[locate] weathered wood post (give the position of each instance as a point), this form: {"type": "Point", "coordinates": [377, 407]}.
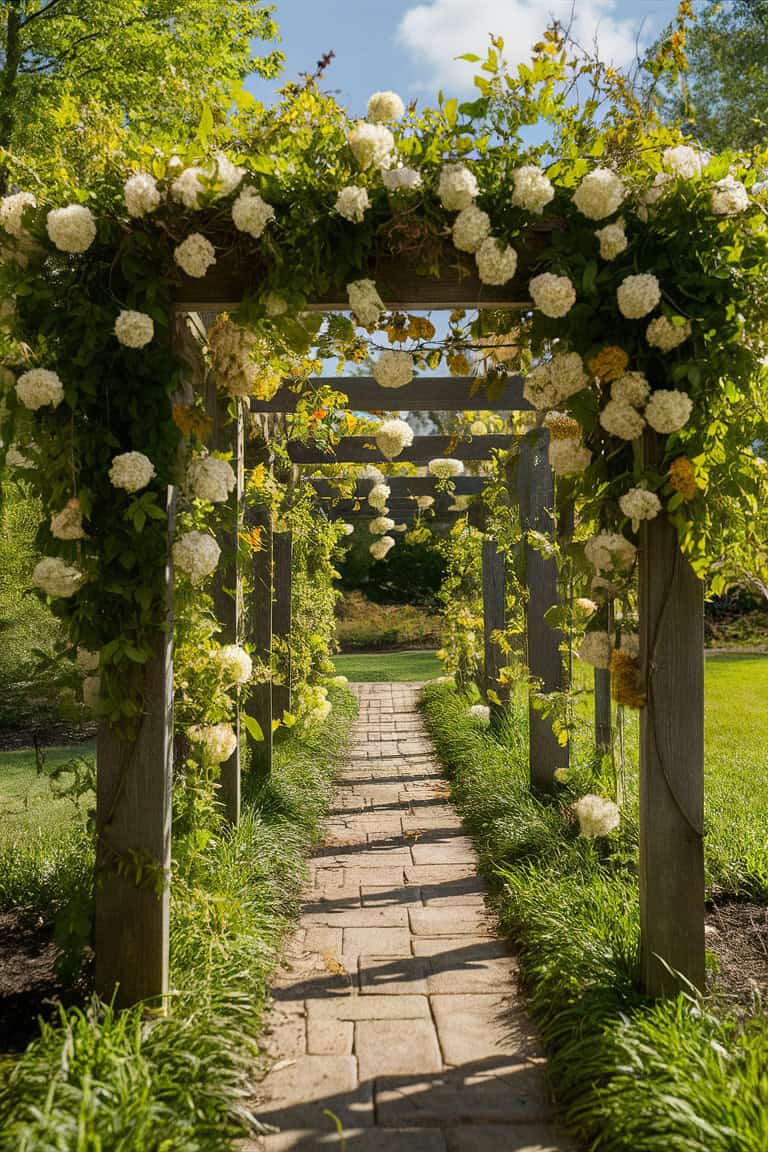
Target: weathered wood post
{"type": "Point", "coordinates": [227, 583]}
{"type": "Point", "coordinates": [134, 782]}
{"type": "Point", "coordinates": [602, 689]}
{"type": "Point", "coordinates": [545, 663]}
{"type": "Point", "coordinates": [494, 620]}
{"type": "Point", "coordinates": [259, 703]}
{"type": "Point", "coordinates": [281, 616]}
{"type": "Point", "coordinates": [671, 763]}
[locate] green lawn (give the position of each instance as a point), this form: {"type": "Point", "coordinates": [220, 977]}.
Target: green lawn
{"type": "Point", "coordinates": [400, 666]}
{"type": "Point", "coordinates": [27, 800]}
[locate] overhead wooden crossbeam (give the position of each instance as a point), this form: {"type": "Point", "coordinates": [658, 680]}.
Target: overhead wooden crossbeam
{"type": "Point", "coordinates": [403, 503]}
{"type": "Point", "coordinates": [238, 274]}
{"type": "Point", "coordinates": [363, 450]}
{"type": "Point", "coordinates": [405, 486]}
{"type": "Point", "coordinates": [423, 394]}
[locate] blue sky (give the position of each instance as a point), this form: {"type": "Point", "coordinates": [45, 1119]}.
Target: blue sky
{"type": "Point", "coordinates": [410, 45]}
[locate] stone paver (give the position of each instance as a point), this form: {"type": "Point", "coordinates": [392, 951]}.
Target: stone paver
{"type": "Point", "coordinates": [397, 1008]}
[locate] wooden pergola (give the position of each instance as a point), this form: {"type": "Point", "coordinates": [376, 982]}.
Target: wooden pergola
{"type": "Point", "coordinates": [135, 778]}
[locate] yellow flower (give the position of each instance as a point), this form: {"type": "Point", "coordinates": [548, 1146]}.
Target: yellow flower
{"type": "Point", "coordinates": [682, 477]}
{"type": "Point", "coordinates": [609, 363]}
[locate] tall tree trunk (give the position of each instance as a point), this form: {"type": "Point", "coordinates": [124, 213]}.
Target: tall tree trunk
{"type": "Point", "coordinates": [8, 80]}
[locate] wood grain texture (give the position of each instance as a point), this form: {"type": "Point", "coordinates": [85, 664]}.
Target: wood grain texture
{"type": "Point", "coordinates": [258, 617]}
{"type": "Point", "coordinates": [423, 394]}
{"type": "Point", "coordinates": [603, 721]}
{"type": "Point", "coordinates": [402, 486]}
{"type": "Point", "coordinates": [494, 620]}
{"type": "Point", "coordinates": [671, 763]}
{"type": "Point", "coordinates": [134, 781]}
{"type": "Point", "coordinates": [537, 498]}
{"type": "Point", "coordinates": [282, 550]}
{"type": "Point", "coordinates": [363, 450]}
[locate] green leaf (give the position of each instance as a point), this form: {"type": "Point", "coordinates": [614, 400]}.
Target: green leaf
{"type": "Point", "coordinates": [450, 110]}
{"type": "Point", "coordinates": [470, 57]}
{"type": "Point", "coordinates": [252, 727]}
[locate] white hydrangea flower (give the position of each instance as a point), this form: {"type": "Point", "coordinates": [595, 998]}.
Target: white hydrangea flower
{"type": "Point", "coordinates": [638, 295]}
{"type": "Point", "coordinates": [251, 213]}
{"type": "Point", "coordinates": [379, 495]}
{"type": "Point", "coordinates": [610, 550]}
{"type": "Point", "coordinates": [662, 184]}
{"type": "Point", "coordinates": [664, 334]}
{"type": "Point", "coordinates": [220, 177]}
{"type": "Point", "coordinates": [71, 229]}
{"type": "Point", "coordinates": [401, 179]}
{"type": "Point", "coordinates": [685, 162]}
{"type": "Point", "coordinates": [68, 524]}
{"type": "Point", "coordinates": [380, 525]}
{"type": "Point", "coordinates": [134, 329]}
{"type": "Point", "coordinates": [622, 420]}
{"type": "Point", "coordinates": [538, 388]}
{"type": "Point", "coordinates": [481, 713]}
{"type": "Point", "coordinates": [612, 239]}
{"type": "Point", "coordinates": [533, 190]}
{"type": "Point", "coordinates": [275, 305]}
{"type": "Point", "coordinates": [217, 740]}
{"type": "Point", "coordinates": [12, 210]}
{"type": "Point", "coordinates": [668, 410]}
{"type": "Point", "coordinates": [393, 369]}
{"type": "Point", "coordinates": [195, 255]}
{"type": "Point", "coordinates": [495, 264]}
{"type": "Point", "coordinates": [478, 428]}
{"type": "Point", "coordinates": [599, 195]}
{"type": "Point", "coordinates": [39, 387]}
{"type": "Point", "coordinates": [470, 228]}
{"type": "Point", "coordinates": [86, 660]}
{"type": "Point", "coordinates": [567, 373]}
{"type": "Point", "coordinates": [370, 472]}
{"type": "Point", "coordinates": [553, 295]}
{"type": "Point", "coordinates": [460, 504]}
{"type": "Point", "coordinates": [352, 203]}
{"type": "Point", "coordinates": [632, 388]}
{"type": "Point", "coordinates": [597, 816]}
{"type": "Point", "coordinates": [340, 680]}
{"type": "Point", "coordinates": [445, 468]}
{"type": "Point", "coordinates": [348, 528]}
{"type": "Point", "coordinates": [384, 107]}
{"type": "Point", "coordinates": [424, 502]}
{"type": "Point", "coordinates": [16, 459]}
{"type": "Point", "coordinates": [225, 174]}
{"type": "Point", "coordinates": [640, 504]}
{"type": "Point", "coordinates": [365, 302]}
{"type": "Point", "coordinates": [596, 648]}
{"type": "Point", "coordinates": [131, 471]}
{"type": "Point", "coordinates": [373, 145]}
{"type": "Point", "coordinates": [196, 554]}
{"type": "Point", "coordinates": [729, 197]}
{"type": "Point", "coordinates": [457, 187]}
{"type": "Point", "coordinates": [568, 457]}
{"type": "Point", "coordinates": [211, 479]}
{"type": "Point", "coordinates": [142, 196]}
{"type": "Point", "coordinates": [392, 437]}
{"type": "Point", "coordinates": [235, 663]}
{"type": "Point", "coordinates": [57, 578]}
{"type": "Point", "coordinates": [380, 547]}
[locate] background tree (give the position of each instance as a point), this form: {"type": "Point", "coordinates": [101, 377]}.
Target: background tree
{"type": "Point", "coordinates": [723, 97]}
{"type": "Point", "coordinates": [78, 72]}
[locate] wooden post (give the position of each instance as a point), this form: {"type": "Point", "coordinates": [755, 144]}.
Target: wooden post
{"type": "Point", "coordinates": [282, 551]}
{"type": "Point", "coordinates": [494, 620]}
{"type": "Point", "coordinates": [602, 685]}
{"type": "Point", "coordinates": [671, 764]}
{"type": "Point", "coordinates": [259, 703]}
{"type": "Point", "coordinates": [545, 662]}
{"type": "Point", "coordinates": [133, 834]}
{"type": "Point", "coordinates": [227, 582]}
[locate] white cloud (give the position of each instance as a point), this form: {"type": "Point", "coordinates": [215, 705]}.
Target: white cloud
{"type": "Point", "coordinates": [434, 33]}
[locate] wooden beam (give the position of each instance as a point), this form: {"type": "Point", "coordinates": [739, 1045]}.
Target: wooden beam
{"type": "Point", "coordinates": [258, 517]}
{"type": "Point", "coordinates": [423, 394]}
{"type": "Point", "coordinates": [545, 662]}
{"type": "Point", "coordinates": [240, 273]}
{"type": "Point", "coordinates": [134, 781]}
{"type": "Point", "coordinates": [227, 583]}
{"type": "Point", "coordinates": [363, 450]}
{"type": "Point", "coordinates": [671, 762]}
{"type": "Point", "coordinates": [401, 486]}
{"type": "Point", "coordinates": [494, 620]}
{"type": "Point", "coordinates": [281, 616]}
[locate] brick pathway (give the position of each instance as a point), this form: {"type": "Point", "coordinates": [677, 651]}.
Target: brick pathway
{"type": "Point", "coordinates": [397, 1008]}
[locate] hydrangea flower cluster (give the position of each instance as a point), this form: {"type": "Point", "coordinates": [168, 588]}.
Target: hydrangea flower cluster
{"type": "Point", "coordinates": [638, 295]}
{"type": "Point", "coordinates": [383, 107]}
{"type": "Point", "coordinates": [373, 145]}
{"type": "Point", "coordinates": [131, 471]}
{"type": "Point", "coordinates": [393, 369]}
{"type": "Point", "coordinates": [211, 479]}
{"type": "Point", "coordinates": [597, 816]}
{"type": "Point", "coordinates": [547, 385]}
{"type": "Point", "coordinates": [365, 302]}
{"type": "Point", "coordinates": [12, 209]}
{"type": "Point", "coordinates": [196, 555]}
{"type": "Point", "coordinates": [251, 213]}
{"type": "Point", "coordinates": [445, 468]}
{"type": "Point", "coordinates": [57, 578]}
{"type": "Point", "coordinates": [640, 504]}
{"type": "Point", "coordinates": [352, 203]}
{"type": "Point", "coordinates": [553, 295]}
{"type": "Point", "coordinates": [393, 436]}
{"type": "Point", "coordinates": [401, 179]}
{"type": "Point", "coordinates": [379, 495]}
{"type": "Point", "coordinates": [235, 663]}
{"type": "Point", "coordinates": [218, 741]}
{"type": "Point", "coordinates": [134, 329]}
{"type": "Point", "coordinates": [68, 524]}
{"type": "Point", "coordinates": [533, 189]}
{"type": "Point", "coordinates": [610, 550]}
{"type": "Point", "coordinates": [496, 263]}
{"type": "Point", "coordinates": [71, 229]}
{"type": "Point", "coordinates": [470, 228]}
{"type": "Point", "coordinates": [238, 361]}
{"type": "Point", "coordinates": [663, 333]}
{"type": "Point", "coordinates": [600, 194]}
{"type": "Point", "coordinates": [142, 195]}
{"type": "Point", "coordinates": [381, 547]}
{"type": "Point", "coordinates": [612, 239]}
{"type": "Point", "coordinates": [457, 187]}
{"type": "Point", "coordinates": [38, 388]}
{"type": "Point", "coordinates": [195, 255]}
{"type": "Point", "coordinates": [380, 525]}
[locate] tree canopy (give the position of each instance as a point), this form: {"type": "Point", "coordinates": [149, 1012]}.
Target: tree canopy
{"type": "Point", "coordinates": [79, 77]}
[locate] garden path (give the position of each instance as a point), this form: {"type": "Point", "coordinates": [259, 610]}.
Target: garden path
{"type": "Point", "coordinates": [397, 1008]}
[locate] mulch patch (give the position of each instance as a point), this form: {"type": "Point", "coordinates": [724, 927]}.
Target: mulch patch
{"type": "Point", "coordinates": [29, 985]}
{"type": "Point", "coordinates": [737, 932]}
